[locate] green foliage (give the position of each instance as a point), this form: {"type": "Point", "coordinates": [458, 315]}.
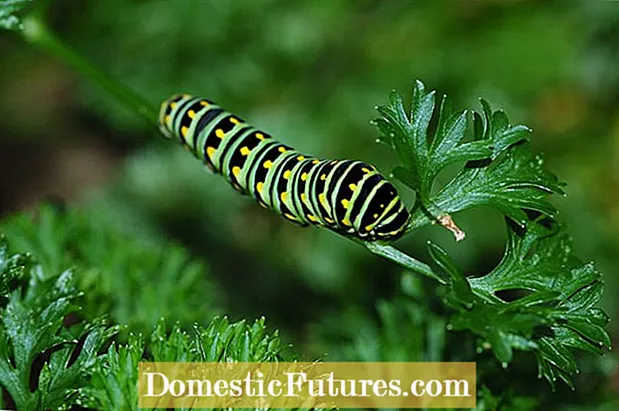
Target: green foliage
{"type": "Point", "coordinates": [558, 314]}
{"type": "Point", "coordinates": [12, 267]}
{"type": "Point", "coordinates": [113, 267]}
{"type": "Point", "coordinates": [10, 11]}
{"type": "Point", "coordinates": [113, 383]}
{"type": "Point", "coordinates": [499, 171]}
{"type": "Point", "coordinates": [238, 342]}
{"type": "Point", "coordinates": [409, 137]}
{"type": "Point", "coordinates": [506, 401]}
{"type": "Point", "coordinates": [32, 332]}
{"type": "Point", "coordinates": [114, 379]}
{"type": "Point", "coordinates": [73, 368]}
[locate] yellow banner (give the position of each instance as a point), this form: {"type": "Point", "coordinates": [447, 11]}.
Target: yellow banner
{"type": "Point", "coordinates": [307, 385]}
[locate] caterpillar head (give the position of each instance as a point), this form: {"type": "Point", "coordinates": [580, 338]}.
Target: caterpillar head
{"type": "Point", "coordinates": [394, 225]}
{"type": "Point", "coordinates": [384, 216]}
{"type": "Point", "coordinates": [375, 210]}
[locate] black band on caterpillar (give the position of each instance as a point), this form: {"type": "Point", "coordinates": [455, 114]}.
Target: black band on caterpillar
{"type": "Point", "coordinates": [346, 196]}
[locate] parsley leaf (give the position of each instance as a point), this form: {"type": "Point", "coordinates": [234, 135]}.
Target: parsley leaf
{"type": "Point", "coordinates": [222, 341]}
{"type": "Point", "coordinates": [555, 310]}
{"type": "Point", "coordinates": [499, 169]}
{"type": "Point", "coordinates": [422, 161]}
{"type": "Point", "coordinates": [556, 315]}
{"type": "Point", "coordinates": [113, 385]}
{"type": "Point", "coordinates": [12, 267]}
{"type": "Point", "coordinates": [32, 331]}
{"type": "Point", "coordinates": [114, 379]}
{"type": "Point", "coordinates": [113, 265]}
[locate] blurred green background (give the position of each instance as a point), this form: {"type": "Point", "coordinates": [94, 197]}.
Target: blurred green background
{"type": "Point", "coordinates": [310, 73]}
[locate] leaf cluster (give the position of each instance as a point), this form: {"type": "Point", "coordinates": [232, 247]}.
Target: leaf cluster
{"type": "Point", "coordinates": [51, 360]}
{"type": "Point", "coordinates": [498, 168]}
{"type": "Point", "coordinates": [133, 280]}
{"type": "Point", "coordinates": [114, 378]}
{"type": "Point", "coordinates": [43, 364]}
{"type": "Point", "coordinates": [555, 309]}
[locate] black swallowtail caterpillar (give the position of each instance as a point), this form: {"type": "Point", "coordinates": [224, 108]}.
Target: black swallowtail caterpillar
{"type": "Point", "coordinates": [346, 196]}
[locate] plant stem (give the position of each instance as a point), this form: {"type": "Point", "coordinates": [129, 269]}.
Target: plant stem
{"type": "Point", "coordinates": [36, 32]}
{"type": "Point", "coordinates": [402, 259]}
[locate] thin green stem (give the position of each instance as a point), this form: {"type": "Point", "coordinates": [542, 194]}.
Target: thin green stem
{"type": "Point", "coordinates": [420, 215]}
{"type": "Point", "coordinates": [36, 32]}
{"type": "Point", "coordinates": [402, 259]}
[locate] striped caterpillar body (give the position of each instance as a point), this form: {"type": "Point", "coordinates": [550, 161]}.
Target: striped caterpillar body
{"type": "Point", "coordinates": [346, 196]}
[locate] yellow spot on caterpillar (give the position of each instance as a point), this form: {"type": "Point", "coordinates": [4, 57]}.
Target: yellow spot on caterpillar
{"type": "Point", "coordinates": [312, 218]}
{"type": "Point", "coordinates": [236, 171]}
{"type": "Point", "coordinates": [328, 220]}
{"type": "Point", "coordinates": [346, 221]}
{"type": "Point", "coordinates": [267, 164]}
{"type": "Point", "coordinates": [168, 118]}
{"type": "Point", "coordinates": [315, 161]}
{"type": "Point", "coordinates": [353, 187]}
{"type": "Point", "coordinates": [334, 161]}
{"type": "Point", "coordinates": [220, 133]}
{"type": "Point", "coordinates": [300, 158]}
{"type": "Point", "coordinates": [323, 177]}
{"type": "Point", "coordinates": [345, 203]}
{"type": "Point", "coordinates": [303, 197]}
{"type": "Point", "coordinates": [191, 113]}
{"type": "Point", "coordinates": [290, 217]}
{"type": "Point", "coordinates": [245, 151]}
{"type": "Point", "coordinates": [304, 176]}
{"type": "Point", "coordinates": [234, 120]}
{"type": "Point", "coordinates": [184, 130]}
{"type": "Point", "coordinates": [368, 227]}
{"type": "Point", "coordinates": [323, 200]}
{"type": "Point", "coordinates": [173, 105]}
{"type": "Point", "coordinates": [287, 174]}
{"type": "Point", "coordinates": [210, 151]}
{"type": "Point", "coordinates": [365, 170]}
{"type": "Point", "coordinates": [282, 149]}
{"type": "Point", "coordinates": [283, 196]}
{"type": "Point", "coordinates": [375, 215]}
{"type": "Point", "coordinates": [259, 187]}
{"type": "Point", "coordinates": [382, 206]}
{"type": "Point", "coordinates": [260, 136]}
{"type": "Point", "coordinates": [204, 103]}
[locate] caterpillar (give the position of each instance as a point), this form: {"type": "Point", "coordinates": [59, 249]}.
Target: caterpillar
{"type": "Point", "coordinates": [346, 196]}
